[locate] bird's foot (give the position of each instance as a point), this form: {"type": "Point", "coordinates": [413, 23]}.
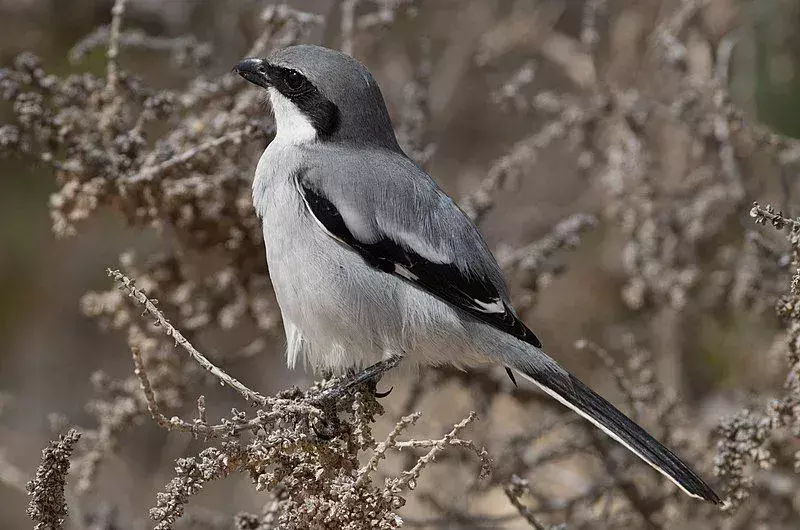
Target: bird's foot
{"type": "Point", "coordinates": [371, 374]}
{"type": "Point", "coordinates": [328, 425]}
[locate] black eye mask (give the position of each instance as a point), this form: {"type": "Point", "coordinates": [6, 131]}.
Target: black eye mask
{"type": "Point", "coordinates": [322, 112]}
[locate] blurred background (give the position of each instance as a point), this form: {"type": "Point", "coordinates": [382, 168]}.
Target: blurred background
{"type": "Point", "coordinates": [49, 349]}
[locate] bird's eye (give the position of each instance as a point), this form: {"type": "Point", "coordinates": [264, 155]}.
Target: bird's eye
{"type": "Point", "coordinates": [294, 81]}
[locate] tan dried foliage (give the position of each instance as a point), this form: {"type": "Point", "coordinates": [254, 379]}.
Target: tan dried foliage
{"type": "Point", "coordinates": [180, 161]}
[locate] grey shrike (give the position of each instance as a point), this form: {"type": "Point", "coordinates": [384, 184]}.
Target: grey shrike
{"type": "Point", "coordinates": [370, 259]}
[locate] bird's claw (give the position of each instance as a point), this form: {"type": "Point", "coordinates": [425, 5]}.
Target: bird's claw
{"type": "Point", "coordinates": [370, 374]}
{"type": "Point", "coordinates": [324, 430]}
{"type": "Point", "coordinates": [327, 426]}
{"type": "Point", "coordinates": [382, 394]}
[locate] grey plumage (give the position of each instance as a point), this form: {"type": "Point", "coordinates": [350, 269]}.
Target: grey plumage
{"type": "Point", "coordinates": [369, 258]}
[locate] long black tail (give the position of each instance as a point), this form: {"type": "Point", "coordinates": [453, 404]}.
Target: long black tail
{"type": "Point", "coordinates": [570, 391]}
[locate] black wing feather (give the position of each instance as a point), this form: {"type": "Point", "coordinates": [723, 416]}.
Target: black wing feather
{"type": "Point", "coordinates": [473, 294]}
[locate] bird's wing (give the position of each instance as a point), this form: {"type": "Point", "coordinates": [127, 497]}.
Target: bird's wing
{"type": "Point", "coordinates": [401, 223]}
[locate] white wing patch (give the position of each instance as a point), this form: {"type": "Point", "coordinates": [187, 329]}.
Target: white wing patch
{"type": "Point", "coordinates": [405, 273]}
{"type": "Point", "coordinates": [419, 245]}
{"type": "Point", "coordinates": [496, 306]}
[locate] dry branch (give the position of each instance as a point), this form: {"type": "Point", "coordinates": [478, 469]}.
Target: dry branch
{"type": "Point", "coordinates": [127, 286]}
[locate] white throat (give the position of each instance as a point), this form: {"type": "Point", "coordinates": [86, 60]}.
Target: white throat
{"type": "Point", "coordinates": [293, 127]}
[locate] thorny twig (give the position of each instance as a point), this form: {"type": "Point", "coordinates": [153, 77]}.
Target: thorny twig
{"type": "Point", "coordinates": [380, 450]}
{"type": "Point", "coordinates": [182, 49]}
{"type": "Point", "coordinates": [514, 490]}
{"type": "Point", "coordinates": [151, 173]}
{"type": "Point", "coordinates": [295, 23]}
{"type": "Point", "coordinates": [487, 466]}
{"type": "Point", "coordinates": [409, 478]}
{"type": "Point", "coordinates": [117, 13]}
{"type": "Point", "coordinates": [127, 286]}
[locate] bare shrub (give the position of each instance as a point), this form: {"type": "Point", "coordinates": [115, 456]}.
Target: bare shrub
{"type": "Point", "coordinates": [635, 97]}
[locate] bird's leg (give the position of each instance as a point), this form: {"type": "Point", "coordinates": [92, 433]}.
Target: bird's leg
{"type": "Point", "coordinates": [370, 374]}
{"type": "Point", "coordinates": [328, 425]}
{"type": "Point", "coordinates": [371, 383]}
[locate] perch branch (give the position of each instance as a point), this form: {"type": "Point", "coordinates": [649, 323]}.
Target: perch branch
{"type": "Point", "coordinates": [126, 285]}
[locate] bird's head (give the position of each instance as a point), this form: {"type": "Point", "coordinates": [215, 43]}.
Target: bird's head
{"type": "Point", "coordinates": [318, 94]}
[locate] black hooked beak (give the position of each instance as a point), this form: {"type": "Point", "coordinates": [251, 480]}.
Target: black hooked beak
{"type": "Point", "coordinates": [255, 70]}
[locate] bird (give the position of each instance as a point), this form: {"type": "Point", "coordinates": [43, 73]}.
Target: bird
{"type": "Point", "coordinates": [370, 259]}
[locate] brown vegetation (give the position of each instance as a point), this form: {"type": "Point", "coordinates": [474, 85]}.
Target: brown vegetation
{"type": "Point", "coordinates": [627, 111]}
